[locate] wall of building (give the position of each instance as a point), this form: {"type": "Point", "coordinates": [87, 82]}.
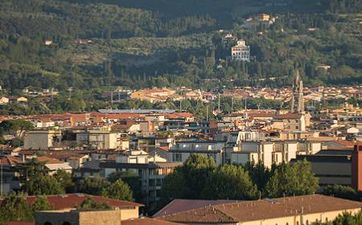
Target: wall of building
{"type": "Point", "coordinates": [38, 140]}
{"type": "Point", "coordinates": [306, 219]}
{"type": "Point", "coordinates": [111, 217]}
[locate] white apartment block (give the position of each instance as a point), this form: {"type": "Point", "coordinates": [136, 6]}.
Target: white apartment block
{"type": "Point", "coordinates": [240, 52]}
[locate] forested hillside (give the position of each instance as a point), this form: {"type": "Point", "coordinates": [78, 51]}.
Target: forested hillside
{"type": "Point", "coordinates": [143, 43]}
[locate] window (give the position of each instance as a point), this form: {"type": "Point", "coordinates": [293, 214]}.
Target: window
{"type": "Point", "coordinates": [307, 222]}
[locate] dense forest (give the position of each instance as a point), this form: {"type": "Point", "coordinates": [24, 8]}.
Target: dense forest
{"type": "Point", "coordinates": [97, 44]}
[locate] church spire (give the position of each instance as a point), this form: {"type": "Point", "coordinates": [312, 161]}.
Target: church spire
{"type": "Point", "coordinates": [297, 101]}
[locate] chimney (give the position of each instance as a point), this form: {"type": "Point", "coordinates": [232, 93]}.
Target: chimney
{"type": "Point", "coordinates": [357, 167]}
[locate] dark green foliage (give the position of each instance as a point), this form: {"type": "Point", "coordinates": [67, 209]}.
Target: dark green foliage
{"type": "Point", "coordinates": [341, 192]}
{"type": "Point", "coordinates": [130, 178]}
{"type": "Point", "coordinates": [260, 175]}
{"type": "Point", "coordinates": [43, 185]}
{"type": "Point", "coordinates": [289, 180]}
{"type": "Point", "coordinates": [65, 179]}
{"type": "Point", "coordinates": [200, 175]}
{"type": "Point", "coordinates": [41, 203]}
{"type": "Point", "coordinates": [344, 219]}
{"type": "Point", "coordinates": [170, 43]}
{"type": "Point", "coordinates": [118, 190]}
{"type": "Point", "coordinates": [14, 207]}
{"type": "Point", "coordinates": [36, 180]}
{"type": "Point", "coordinates": [89, 204]}
{"type": "Point", "coordinates": [92, 185]}
{"type": "Point", "coordinates": [230, 182]}
{"type": "Point", "coordinates": [16, 127]}
{"type": "Point", "coordinates": [189, 180]}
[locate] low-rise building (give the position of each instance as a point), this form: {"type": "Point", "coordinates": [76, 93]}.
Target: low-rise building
{"type": "Point", "coordinates": [299, 210]}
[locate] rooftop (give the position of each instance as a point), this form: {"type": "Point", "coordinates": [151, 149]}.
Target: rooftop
{"type": "Point", "coordinates": [262, 209]}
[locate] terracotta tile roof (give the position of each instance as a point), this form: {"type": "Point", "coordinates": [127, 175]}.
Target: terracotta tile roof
{"type": "Point", "coordinates": [288, 116]}
{"type": "Point", "coordinates": [147, 221]}
{"type": "Point", "coordinates": [20, 223]}
{"type": "Point", "coordinates": [9, 161]}
{"type": "Point", "coordinates": [67, 201]}
{"type": "Point", "coordinates": [49, 160]}
{"type": "Point", "coordinates": [262, 209]}
{"type": "Point", "coordinates": [180, 205]}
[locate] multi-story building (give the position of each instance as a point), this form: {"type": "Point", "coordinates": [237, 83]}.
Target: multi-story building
{"type": "Point", "coordinates": [42, 139]}
{"type": "Point", "coordinates": [182, 150]}
{"type": "Point", "coordinates": [240, 52]}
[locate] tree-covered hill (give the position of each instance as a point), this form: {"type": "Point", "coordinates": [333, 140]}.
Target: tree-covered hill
{"type": "Point", "coordinates": [143, 43]}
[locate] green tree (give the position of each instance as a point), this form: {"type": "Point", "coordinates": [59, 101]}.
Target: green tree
{"type": "Point", "coordinates": [35, 179]}
{"type": "Point", "coordinates": [16, 127]}
{"type": "Point", "coordinates": [66, 180]}
{"type": "Point", "coordinates": [296, 179]}
{"type": "Point", "coordinates": [341, 192]}
{"type": "Point", "coordinates": [14, 207]}
{"type": "Point", "coordinates": [89, 203]}
{"type": "Point", "coordinates": [197, 171]}
{"type": "Point", "coordinates": [44, 185]}
{"type": "Point", "coordinates": [118, 190]}
{"type": "Point", "coordinates": [348, 219]}
{"type": "Point", "coordinates": [189, 180]}
{"type": "Point", "coordinates": [230, 182]}
{"type": "Point", "coordinates": [93, 185]}
{"type": "Point", "coordinates": [41, 203]}
{"type": "Point", "coordinates": [130, 178]}
{"type": "Point", "coordinates": [259, 174]}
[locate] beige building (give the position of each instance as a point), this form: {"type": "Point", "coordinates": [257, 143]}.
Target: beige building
{"type": "Point", "coordinates": [291, 122]}
{"type": "Point", "coordinates": [4, 100]}
{"type": "Point", "coordinates": [42, 139]}
{"type": "Point", "coordinates": [300, 210]}
{"type": "Point", "coordinates": [106, 139]}
{"type": "Point", "coordinates": [270, 152]}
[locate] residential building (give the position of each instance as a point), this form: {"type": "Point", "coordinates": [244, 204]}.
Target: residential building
{"type": "Point", "coordinates": [182, 150]}
{"type": "Point", "coordinates": [150, 175]}
{"type": "Point", "coordinates": [104, 138]}
{"type": "Point", "coordinates": [9, 174]}
{"type": "Point", "coordinates": [53, 165]}
{"type": "Point", "coordinates": [4, 100]}
{"type": "Point", "coordinates": [42, 139]}
{"type": "Point", "coordinates": [240, 52]}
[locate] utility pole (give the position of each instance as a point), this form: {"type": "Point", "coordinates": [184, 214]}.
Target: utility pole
{"type": "Point", "coordinates": [112, 99]}
{"type": "Point", "coordinates": [70, 93]}
{"type": "Point", "coordinates": [232, 104]}
{"type": "Point", "coordinates": [207, 113]}
{"type": "Point", "coordinates": [219, 104]}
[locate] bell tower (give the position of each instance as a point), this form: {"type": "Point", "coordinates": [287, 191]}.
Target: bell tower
{"type": "Point", "coordinates": [297, 104]}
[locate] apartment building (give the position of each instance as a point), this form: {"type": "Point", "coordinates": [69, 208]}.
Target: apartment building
{"type": "Point", "coordinates": [182, 150]}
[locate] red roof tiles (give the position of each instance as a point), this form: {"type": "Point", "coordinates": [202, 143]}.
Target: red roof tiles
{"type": "Point", "coordinates": [262, 209]}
